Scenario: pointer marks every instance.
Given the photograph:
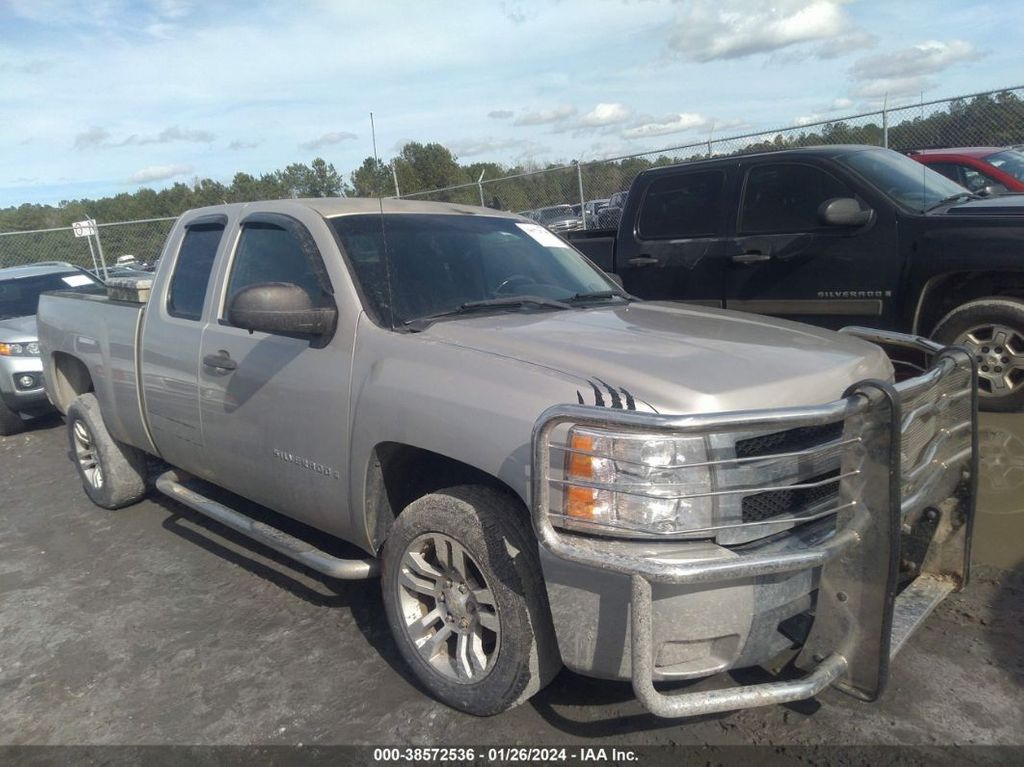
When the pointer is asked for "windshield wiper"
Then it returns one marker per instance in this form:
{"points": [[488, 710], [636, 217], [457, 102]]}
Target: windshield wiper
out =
{"points": [[511, 302], [598, 295], [951, 198]]}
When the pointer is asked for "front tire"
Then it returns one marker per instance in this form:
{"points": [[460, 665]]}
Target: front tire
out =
{"points": [[113, 474], [465, 599], [992, 329], [10, 421]]}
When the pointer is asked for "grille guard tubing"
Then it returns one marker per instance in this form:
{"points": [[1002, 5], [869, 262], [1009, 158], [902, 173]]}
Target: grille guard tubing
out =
{"points": [[860, 622]]}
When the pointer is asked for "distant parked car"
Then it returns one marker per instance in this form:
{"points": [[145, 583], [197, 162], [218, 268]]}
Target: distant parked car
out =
{"points": [[590, 211], [978, 169], [21, 370], [559, 218], [608, 216]]}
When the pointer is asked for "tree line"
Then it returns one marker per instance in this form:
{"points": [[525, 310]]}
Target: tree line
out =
{"points": [[996, 120]]}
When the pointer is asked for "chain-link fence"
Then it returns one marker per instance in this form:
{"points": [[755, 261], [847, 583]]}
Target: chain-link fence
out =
{"points": [[993, 118], [142, 239]]}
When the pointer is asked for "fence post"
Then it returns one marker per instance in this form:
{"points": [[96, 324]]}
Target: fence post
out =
{"points": [[480, 186], [885, 121], [394, 175], [99, 248], [579, 181]]}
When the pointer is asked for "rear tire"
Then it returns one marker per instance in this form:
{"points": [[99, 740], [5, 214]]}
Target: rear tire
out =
{"points": [[10, 421], [993, 330], [465, 599], [113, 474]]}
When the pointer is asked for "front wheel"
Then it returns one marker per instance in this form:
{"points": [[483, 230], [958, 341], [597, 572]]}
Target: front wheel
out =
{"points": [[992, 329], [113, 474], [466, 602]]}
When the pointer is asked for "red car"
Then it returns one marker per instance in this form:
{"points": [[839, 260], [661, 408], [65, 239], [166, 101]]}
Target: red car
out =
{"points": [[1000, 169]]}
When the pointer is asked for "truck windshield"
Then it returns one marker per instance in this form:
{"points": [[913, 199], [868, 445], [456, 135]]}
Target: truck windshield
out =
{"points": [[909, 183], [437, 263], [19, 296]]}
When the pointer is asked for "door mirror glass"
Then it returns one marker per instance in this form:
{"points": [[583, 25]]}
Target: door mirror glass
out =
{"points": [[992, 190], [844, 211], [279, 307]]}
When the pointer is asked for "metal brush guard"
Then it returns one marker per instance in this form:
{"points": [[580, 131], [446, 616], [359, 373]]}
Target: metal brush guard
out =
{"points": [[907, 477]]}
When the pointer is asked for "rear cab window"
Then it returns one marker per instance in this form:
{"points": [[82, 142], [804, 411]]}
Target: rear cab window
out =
{"points": [[190, 281], [682, 206]]}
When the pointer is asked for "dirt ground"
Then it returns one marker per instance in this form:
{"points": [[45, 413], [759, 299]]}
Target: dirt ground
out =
{"points": [[151, 625]]}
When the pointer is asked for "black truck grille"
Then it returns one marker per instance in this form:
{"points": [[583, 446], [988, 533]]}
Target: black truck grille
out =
{"points": [[773, 503], [789, 441]]}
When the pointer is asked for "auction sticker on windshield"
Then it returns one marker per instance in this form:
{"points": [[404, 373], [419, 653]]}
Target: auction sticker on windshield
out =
{"points": [[76, 280], [542, 235]]}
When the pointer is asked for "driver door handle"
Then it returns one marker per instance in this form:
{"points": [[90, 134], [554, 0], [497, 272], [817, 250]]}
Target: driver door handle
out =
{"points": [[643, 261], [221, 360], [751, 257]]}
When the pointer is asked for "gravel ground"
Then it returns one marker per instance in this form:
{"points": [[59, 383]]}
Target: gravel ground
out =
{"points": [[151, 625]]}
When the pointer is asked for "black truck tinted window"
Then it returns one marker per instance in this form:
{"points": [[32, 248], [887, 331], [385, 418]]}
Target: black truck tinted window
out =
{"points": [[268, 253], [191, 276], [786, 197], [685, 205]]}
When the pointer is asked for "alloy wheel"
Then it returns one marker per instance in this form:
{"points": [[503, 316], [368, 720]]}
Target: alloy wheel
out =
{"points": [[448, 609]]}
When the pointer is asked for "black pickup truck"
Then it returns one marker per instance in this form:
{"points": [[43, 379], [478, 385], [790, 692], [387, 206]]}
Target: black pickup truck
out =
{"points": [[833, 236]]}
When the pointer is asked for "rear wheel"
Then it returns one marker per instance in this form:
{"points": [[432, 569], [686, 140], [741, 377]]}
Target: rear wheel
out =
{"points": [[466, 602], [112, 473], [992, 329], [10, 421]]}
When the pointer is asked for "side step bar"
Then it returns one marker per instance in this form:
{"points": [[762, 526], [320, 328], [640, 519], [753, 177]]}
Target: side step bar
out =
{"points": [[305, 553]]}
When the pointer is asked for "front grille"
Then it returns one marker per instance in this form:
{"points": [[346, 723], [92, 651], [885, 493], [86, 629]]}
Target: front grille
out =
{"points": [[774, 503], [789, 441]]}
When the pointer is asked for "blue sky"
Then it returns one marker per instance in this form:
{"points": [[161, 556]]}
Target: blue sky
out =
{"points": [[103, 96]]}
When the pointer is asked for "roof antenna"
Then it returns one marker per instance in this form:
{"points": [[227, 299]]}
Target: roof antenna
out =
{"points": [[385, 255]]}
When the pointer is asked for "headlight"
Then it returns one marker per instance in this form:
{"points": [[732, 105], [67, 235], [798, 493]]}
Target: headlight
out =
{"points": [[629, 483], [30, 349]]}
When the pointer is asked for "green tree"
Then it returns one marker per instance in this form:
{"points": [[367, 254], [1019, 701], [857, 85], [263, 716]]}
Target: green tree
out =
{"points": [[372, 179]]}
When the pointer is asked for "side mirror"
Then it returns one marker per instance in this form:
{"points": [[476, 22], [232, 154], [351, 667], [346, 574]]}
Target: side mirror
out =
{"points": [[844, 211], [614, 278], [279, 307], [992, 190]]}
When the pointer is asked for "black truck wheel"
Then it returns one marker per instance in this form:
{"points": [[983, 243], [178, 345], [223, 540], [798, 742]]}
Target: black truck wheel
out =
{"points": [[113, 474], [10, 421], [993, 330], [466, 602]]}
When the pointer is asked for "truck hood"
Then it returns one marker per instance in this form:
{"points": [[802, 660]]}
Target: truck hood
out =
{"points": [[676, 359], [18, 329], [1001, 205]]}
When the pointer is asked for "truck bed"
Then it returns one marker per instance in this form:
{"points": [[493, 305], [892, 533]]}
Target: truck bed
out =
{"points": [[103, 333]]}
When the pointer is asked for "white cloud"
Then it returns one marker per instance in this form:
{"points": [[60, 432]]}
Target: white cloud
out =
{"points": [[93, 137], [734, 29], [546, 116], [927, 58], [605, 114], [97, 137], [677, 123], [476, 147], [500, 114], [239, 144], [158, 173], [841, 103], [328, 139]]}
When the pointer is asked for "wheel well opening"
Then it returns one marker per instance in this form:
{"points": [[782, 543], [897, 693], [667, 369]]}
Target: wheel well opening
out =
{"points": [[399, 474], [71, 379], [944, 294]]}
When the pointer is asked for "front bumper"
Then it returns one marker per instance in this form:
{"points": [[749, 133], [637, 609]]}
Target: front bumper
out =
{"points": [[906, 491], [29, 401]]}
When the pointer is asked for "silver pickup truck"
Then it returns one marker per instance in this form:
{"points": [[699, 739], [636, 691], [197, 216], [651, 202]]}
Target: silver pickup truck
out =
{"points": [[541, 469]]}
